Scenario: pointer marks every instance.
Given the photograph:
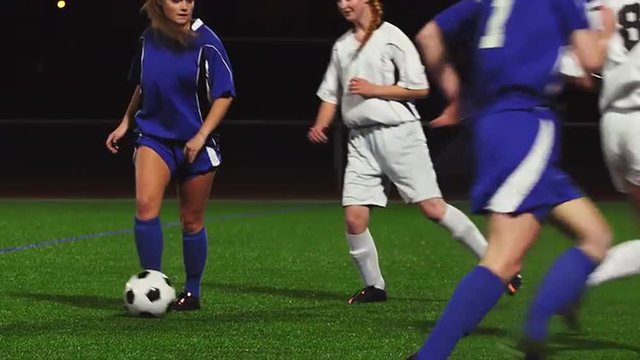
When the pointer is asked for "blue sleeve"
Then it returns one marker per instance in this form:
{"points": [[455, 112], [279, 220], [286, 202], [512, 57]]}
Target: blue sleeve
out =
{"points": [[572, 15], [135, 71], [458, 18], [219, 73]]}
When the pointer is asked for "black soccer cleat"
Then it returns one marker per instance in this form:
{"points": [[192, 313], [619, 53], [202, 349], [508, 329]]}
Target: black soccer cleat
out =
{"points": [[368, 295], [514, 285], [186, 302], [533, 350], [413, 357], [571, 317]]}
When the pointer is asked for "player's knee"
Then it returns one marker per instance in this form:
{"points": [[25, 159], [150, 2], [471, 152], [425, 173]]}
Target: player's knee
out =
{"points": [[505, 269], [597, 243], [191, 223], [356, 223], [433, 209], [147, 208]]}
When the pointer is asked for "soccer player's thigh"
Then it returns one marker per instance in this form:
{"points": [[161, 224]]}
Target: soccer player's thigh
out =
{"points": [[194, 186], [614, 148], [362, 177], [407, 162], [153, 173]]}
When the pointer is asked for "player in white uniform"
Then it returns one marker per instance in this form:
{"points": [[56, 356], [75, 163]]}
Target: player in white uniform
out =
{"points": [[386, 137], [619, 126]]}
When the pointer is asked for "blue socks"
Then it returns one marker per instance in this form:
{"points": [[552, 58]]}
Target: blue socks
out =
{"points": [[562, 286], [148, 235], [194, 252], [477, 293]]}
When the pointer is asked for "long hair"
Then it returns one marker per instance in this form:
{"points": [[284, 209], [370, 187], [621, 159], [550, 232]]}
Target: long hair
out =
{"points": [[161, 24], [376, 20]]}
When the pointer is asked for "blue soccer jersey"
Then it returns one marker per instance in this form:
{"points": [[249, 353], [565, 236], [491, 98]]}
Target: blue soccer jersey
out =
{"points": [[515, 48], [179, 84]]}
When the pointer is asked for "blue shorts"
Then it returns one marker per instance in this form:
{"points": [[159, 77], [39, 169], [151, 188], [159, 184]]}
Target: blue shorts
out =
{"points": [[517, 154], [172, 152]]}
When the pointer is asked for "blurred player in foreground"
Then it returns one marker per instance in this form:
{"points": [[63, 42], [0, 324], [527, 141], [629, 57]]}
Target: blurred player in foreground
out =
{"points": [[515, 49]]}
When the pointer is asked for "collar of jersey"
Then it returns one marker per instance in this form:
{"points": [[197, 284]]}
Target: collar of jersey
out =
{"points": [[196, 24]]}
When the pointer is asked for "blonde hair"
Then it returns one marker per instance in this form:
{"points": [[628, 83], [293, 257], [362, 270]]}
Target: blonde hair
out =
{"points": [[376, 20], [161, 24]]}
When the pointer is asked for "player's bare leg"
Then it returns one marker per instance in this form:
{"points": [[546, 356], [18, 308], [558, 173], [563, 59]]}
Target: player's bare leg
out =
{"points": [[463, 230], [565, 282], [365, 255], [194, 196], [622, 260]]}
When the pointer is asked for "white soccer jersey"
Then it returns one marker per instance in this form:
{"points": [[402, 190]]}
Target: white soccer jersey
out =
{"points": [[568, 64], [621, 73], [388, 58]]}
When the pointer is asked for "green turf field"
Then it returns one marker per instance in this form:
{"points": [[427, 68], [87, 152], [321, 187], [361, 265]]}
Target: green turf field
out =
{"points": [[276, 286]]}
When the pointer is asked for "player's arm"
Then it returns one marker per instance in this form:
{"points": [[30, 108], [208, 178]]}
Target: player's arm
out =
{"points": [[431, 44], [450, 24], [412, 81], [126, 122], [326, 113], [221, 91], [573, 73], [132, 108], [217, 112], [359, 86], [589, 45], [329, 93]]}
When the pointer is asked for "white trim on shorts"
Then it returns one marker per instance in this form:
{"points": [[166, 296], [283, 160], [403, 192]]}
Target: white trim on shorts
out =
{"points": [[213, 156], [515, 189]]}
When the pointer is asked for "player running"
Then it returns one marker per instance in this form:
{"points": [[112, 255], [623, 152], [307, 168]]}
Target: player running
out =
{"points": [[515, 49], [374, 75]]}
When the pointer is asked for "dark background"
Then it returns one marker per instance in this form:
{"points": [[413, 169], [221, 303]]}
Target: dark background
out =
{"points": [[63, 88]]}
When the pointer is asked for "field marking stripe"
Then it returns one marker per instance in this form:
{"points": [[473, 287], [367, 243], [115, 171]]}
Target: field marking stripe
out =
{"points": [[129, 231]]}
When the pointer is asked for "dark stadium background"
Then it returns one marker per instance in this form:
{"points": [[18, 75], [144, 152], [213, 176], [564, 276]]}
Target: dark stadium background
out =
{"points": [[63, 87]]}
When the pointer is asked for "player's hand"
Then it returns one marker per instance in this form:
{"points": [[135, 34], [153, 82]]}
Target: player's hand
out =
{"points": [[608, 18], [116, 135], [318, 134], [449, 117], [193, 147], [362, 87]]}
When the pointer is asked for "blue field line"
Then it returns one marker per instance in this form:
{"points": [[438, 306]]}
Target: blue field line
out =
{"points": [[166, 225]]}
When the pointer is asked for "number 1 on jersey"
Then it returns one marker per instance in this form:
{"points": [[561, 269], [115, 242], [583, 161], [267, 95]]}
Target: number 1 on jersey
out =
{"points": [[494, 33]]}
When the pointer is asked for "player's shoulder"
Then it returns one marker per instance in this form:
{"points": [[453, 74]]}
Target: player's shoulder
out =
{"points": [[390, 29], [394, 35], [146, 33], [206, 36], [343, 38]]}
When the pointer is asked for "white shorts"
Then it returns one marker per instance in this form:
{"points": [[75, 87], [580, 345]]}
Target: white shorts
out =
{"points": [[399, 153], [620, 133]]}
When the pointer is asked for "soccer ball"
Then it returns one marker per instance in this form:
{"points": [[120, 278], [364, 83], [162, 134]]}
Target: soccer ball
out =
{"points": [[148, 294]]}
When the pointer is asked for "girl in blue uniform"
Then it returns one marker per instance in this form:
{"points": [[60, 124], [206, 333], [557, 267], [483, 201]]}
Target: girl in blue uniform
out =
{"points": [[184, 89], [515, 50]]}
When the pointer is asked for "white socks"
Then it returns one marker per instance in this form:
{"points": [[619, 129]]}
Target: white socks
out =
{"points": [[622, 260], [364, 253], [464, 230]]}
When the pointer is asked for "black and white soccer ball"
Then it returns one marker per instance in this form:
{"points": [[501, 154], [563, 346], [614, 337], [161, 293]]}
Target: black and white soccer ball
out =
{"points": [[149, 293]]}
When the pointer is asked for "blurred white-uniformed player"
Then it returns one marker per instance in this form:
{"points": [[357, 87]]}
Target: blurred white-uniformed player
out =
{"points": [[374, 74], [620, 122]]}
